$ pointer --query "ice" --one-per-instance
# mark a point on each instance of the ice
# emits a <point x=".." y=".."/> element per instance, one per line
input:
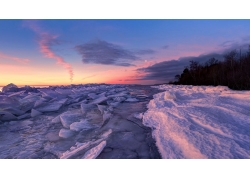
<point x="49" y="107"/>
<point x="132" y="100"/>
<point x="35" y="113"/>
<point x="86" y="107"/>
<point x="6" y="116"/>
<point x="100" y="99"/>
<point x="65" y="133"/>
<point x="70" y="117"/>
<point x="138" y="115"/>
<point x="14" y="111"/>
<point x="16" y="94"/>
<point x="200" y="122"/>
<point x="82" y="125"/>
<point x="64" y="91"/>
<point x="75" y="151"/>
<point x="24" y="116"/>
<point x="57" y="119"/>
<point x="101" y="108"/>
<point x="95" y="151"/>
<point x="106" y="115"/>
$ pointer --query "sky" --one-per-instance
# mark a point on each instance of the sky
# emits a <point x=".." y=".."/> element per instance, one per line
<point x="80" y="51"/>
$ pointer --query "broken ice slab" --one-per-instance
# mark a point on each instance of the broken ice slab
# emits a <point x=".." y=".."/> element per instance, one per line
<point x="35" y="113"/>
<point x="49" y="107"/>
<point x="51" y="93"/>
<point x="74" y="152"/>
<point x="138" y="115"/>
<point x="132" y="100"/>
<point x="70" y="117"/>
<point x="101" y="108"/>
<point x="57" y="119"/>
<point x="16" y="94"/>
<point x="95" y="151"/>
<point x="119" y="99"/>
<point x="86" y="107"/>
<point x="24" y="116"/>
<point x="100" y="99"/>
<point x="82" y="125"/>
<point x="123" y="93"/>
<point x="66" y="133"/>
<point x="106" y="115"/>
<point x="14" y="111"/>
<point x="64" y="91"/>
<point x="6" y="116"/>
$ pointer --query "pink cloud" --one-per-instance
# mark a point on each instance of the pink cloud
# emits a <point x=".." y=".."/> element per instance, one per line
<point x="45" y="42"/>
<point x="20" y="60"/>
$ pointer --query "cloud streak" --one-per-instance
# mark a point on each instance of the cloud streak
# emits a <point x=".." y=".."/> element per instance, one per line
<point x="46" y="41"/>
<point x="102" y="52"/>
<point x="19" y="60"/>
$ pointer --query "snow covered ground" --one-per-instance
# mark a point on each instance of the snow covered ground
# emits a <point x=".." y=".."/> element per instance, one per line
<point x="200" y="122"/>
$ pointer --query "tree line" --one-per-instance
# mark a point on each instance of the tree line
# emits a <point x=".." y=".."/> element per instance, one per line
<point x="233" y="71"/>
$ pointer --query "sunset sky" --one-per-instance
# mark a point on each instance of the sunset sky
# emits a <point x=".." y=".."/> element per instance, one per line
<point x="62" y="52"/>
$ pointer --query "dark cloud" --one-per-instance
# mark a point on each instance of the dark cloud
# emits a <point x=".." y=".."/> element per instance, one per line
<point x="165" y="71"/>
<point x="102" y="52"/>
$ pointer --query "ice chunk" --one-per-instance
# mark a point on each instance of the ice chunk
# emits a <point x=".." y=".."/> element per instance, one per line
<point x="24" y="116"/>
<point x="40" y="102"/>
<point x="64" y="91"/>
<point x="86" y="107"/>
<point x="57" y="119"/>
<point x="66" y="133"/>
<point x="14" y="111"/>
<point x="70" y="117"/>
<point x="119" y="99"/>
<point x="106" y="115"/>
<point x="6" y="116"/>
<point x="99" y="99"/>
<point x="138" y="115"/>
<point x="101" y="108"/>
<point x="10" y="87"/>
<point x="95" y="151"/>
<point x="82" y="125"/>
<point x="16" y="94"/>
<point x="35" y="113"/>
<point x="49" y="107"/>
<point x="132" y="100"/>
<point x="74" y="152"/>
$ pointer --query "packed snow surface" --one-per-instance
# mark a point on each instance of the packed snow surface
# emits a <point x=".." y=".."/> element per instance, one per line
<point x="200" y="122"/>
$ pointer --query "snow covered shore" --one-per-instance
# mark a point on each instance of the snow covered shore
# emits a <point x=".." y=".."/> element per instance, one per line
<point x="200" y="122"/>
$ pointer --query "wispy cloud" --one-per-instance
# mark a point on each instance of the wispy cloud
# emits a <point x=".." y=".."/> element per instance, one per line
<point x="19" y="60"/>
<point x="103" y="52"/>
<point x="46" y="41"/>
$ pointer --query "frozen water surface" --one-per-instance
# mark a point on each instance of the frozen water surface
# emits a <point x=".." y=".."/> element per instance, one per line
<point x="76" y="121"/>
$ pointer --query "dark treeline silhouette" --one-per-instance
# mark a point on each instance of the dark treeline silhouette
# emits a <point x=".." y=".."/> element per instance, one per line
<point x="233" y="71"/>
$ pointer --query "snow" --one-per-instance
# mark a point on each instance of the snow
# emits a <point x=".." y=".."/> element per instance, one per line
<point x="200" y="122"/>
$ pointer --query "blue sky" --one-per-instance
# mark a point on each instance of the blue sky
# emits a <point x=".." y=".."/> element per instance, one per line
<point x="50" y="52"/>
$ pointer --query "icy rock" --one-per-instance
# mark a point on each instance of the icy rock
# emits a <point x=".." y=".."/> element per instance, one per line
<point x="86" y="107"/>
<point x="66" y="133"/>
<point x="70" y="117"/>
<point x="6" y="116"/>
<point x="95" y="151"/>
<point x="132" y="100"/>
<point x="82" y="125"/>
<point x="35" y="113"/>
<point x="10" y="88"/>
